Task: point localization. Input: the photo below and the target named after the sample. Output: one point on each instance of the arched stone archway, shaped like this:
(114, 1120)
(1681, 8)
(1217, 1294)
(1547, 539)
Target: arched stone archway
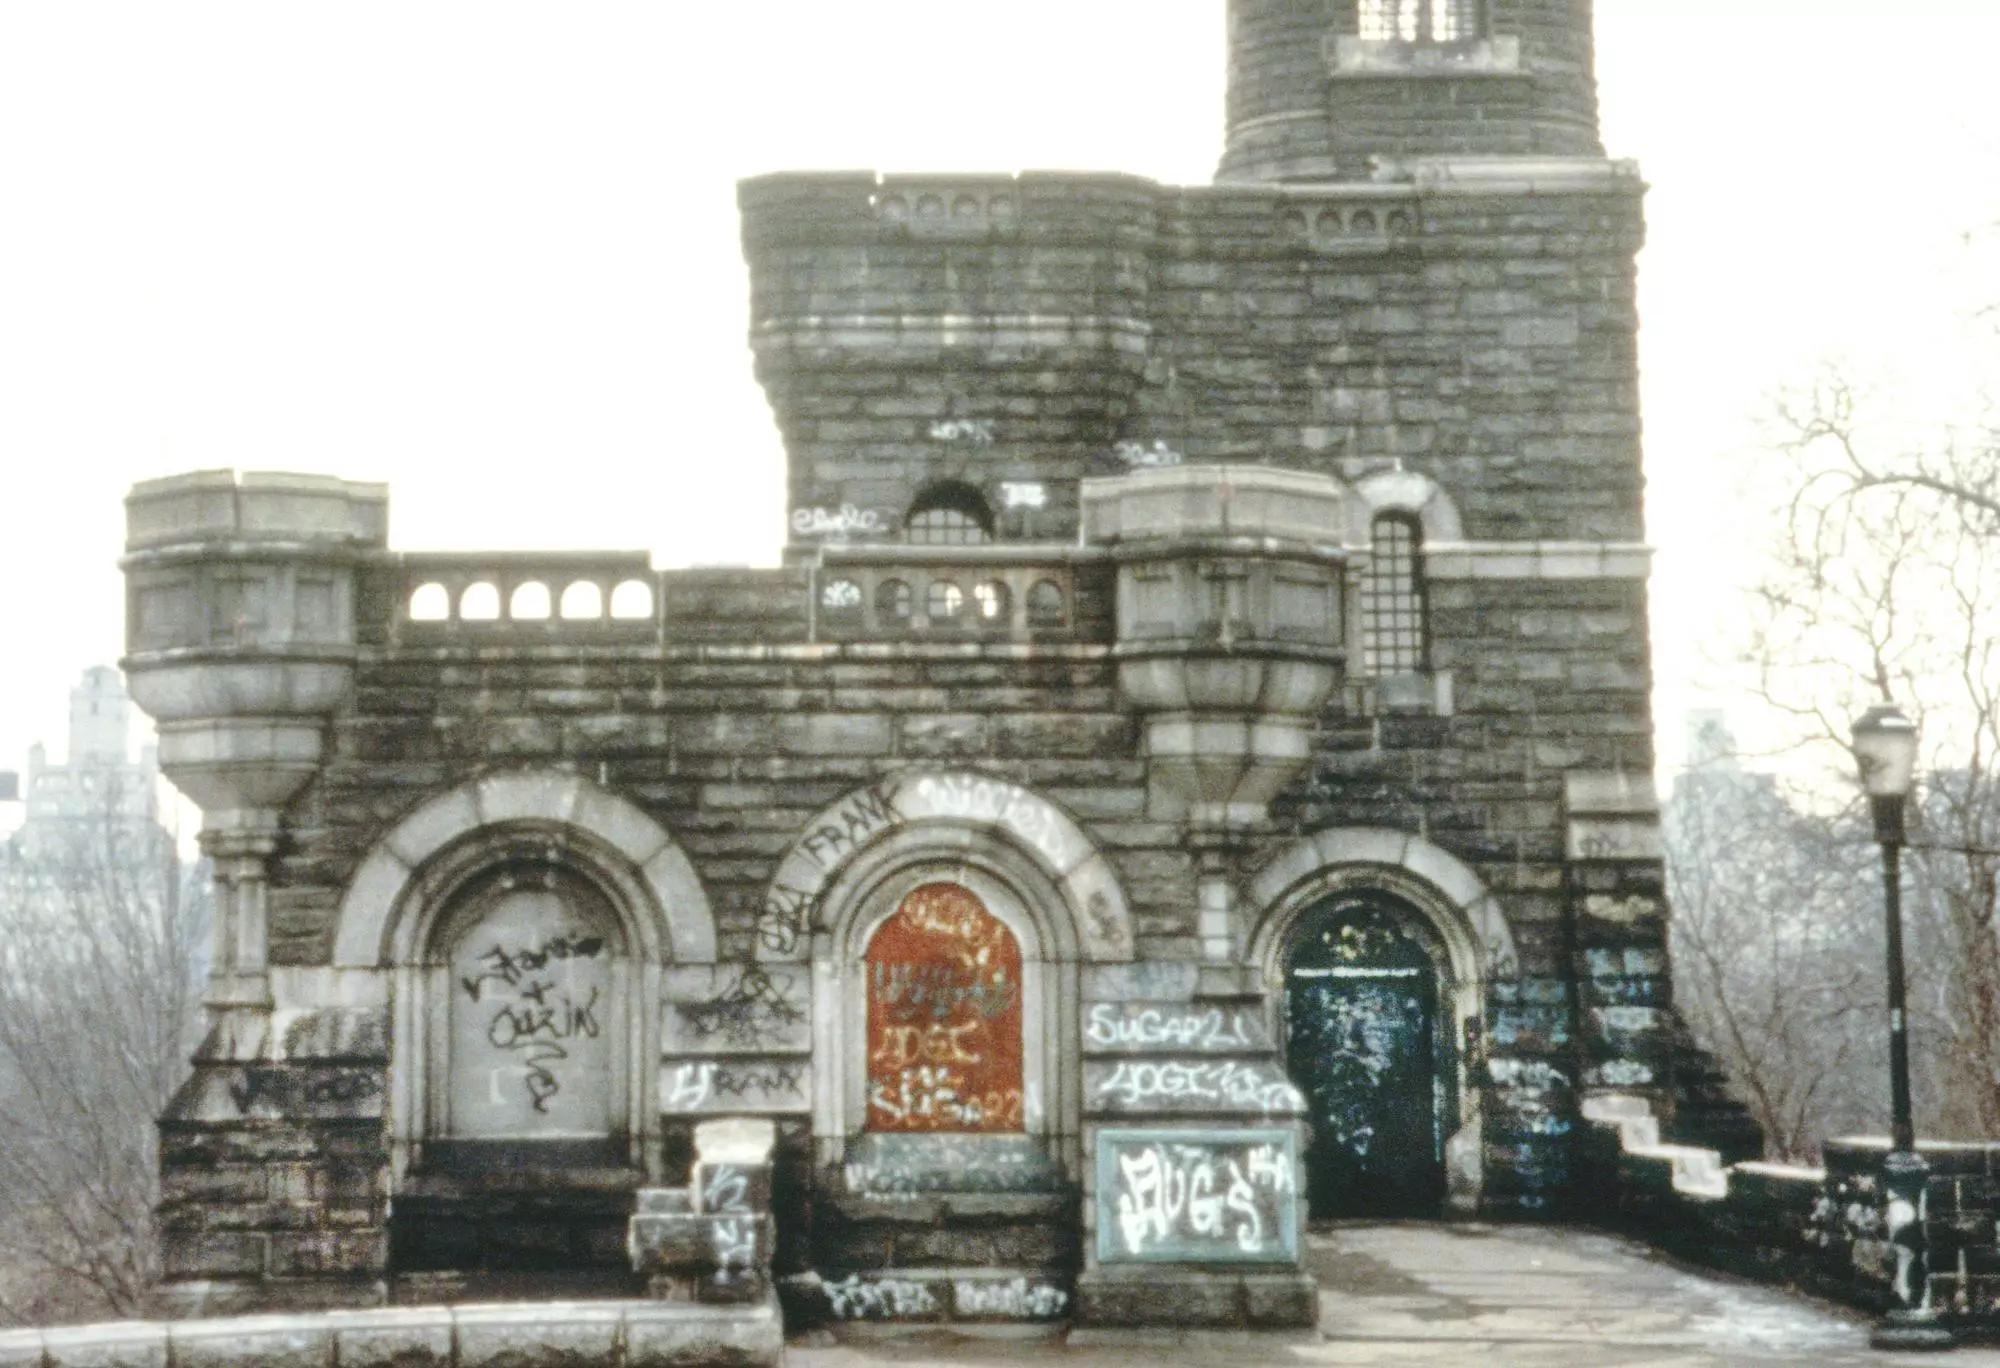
(1023, 861)
(1460, 925)
(935, 809)
(524, 919)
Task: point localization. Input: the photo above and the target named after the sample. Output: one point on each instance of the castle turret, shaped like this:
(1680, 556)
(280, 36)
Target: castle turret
(1319, 89)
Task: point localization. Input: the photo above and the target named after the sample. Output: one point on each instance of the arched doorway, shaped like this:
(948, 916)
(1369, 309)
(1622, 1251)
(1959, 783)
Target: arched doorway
(1369, 1043)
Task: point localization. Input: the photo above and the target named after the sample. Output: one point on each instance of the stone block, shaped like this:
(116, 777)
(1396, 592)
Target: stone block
(110, 1344)
(679, 1336)
(20, 1349)
(253, 1342)
(551, 1335)
(418, 1337)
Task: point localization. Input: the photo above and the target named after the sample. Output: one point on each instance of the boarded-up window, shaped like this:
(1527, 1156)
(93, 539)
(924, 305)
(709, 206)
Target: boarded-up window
(944, 1017)
(533, 1021)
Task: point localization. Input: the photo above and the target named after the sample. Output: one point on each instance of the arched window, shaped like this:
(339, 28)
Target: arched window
(1422, 21)
(952, 513)
(1392, 598)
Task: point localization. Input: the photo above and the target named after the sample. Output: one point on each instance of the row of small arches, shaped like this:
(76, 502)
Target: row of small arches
(1330, 221)
(531, 601)
(989, 601)
(933, 206)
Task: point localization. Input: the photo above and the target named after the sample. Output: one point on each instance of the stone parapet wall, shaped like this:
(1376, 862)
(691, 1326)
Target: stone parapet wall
(1824, 1230)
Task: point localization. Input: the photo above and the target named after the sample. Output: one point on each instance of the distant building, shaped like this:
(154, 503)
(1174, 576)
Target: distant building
(99, 781)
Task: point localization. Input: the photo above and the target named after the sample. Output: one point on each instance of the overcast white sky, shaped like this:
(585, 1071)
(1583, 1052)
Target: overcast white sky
(487, 251)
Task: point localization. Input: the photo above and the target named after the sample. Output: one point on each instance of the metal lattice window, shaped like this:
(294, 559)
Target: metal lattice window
(1392, 598)
(949, 514)
(1421, 21)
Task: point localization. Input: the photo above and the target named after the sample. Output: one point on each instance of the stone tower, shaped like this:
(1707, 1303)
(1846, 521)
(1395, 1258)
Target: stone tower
(1328, 89)
(1198, 743)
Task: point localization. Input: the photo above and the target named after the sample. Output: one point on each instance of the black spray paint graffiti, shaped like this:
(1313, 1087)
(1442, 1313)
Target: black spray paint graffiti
(787, 913)
(533, 1015)
(752, 1008)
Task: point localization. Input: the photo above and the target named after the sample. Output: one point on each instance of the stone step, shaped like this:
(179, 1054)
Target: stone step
(930, 1295)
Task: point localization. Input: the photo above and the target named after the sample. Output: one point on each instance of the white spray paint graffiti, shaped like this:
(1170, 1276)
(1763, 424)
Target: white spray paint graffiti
(844, 521)
(853, 1299)
(1193, 1029)
(1023, 494)
(1017, 1299)
(1136, 1085)
(978, 431)
(1139, 456)
(1188, 1196)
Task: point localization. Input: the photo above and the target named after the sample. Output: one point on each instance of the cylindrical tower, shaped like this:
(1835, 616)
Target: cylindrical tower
(1320, 88)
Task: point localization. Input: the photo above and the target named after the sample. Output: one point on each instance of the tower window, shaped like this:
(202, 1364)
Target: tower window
(1421, 21)
(1392, 597)
(949, 514)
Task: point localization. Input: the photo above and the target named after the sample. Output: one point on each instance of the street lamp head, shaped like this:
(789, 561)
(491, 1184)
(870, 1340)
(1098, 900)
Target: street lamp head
(1885, 745)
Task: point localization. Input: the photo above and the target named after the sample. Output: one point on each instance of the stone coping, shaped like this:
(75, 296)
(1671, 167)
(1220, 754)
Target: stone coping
(629, 1334)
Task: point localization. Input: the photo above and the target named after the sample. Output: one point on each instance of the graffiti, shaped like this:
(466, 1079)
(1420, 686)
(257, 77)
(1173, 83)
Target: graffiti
(1135, 1085)
(944, 1017)
(840, 593)
(1023, 494)
(510, 968)
(1139, 456)
(734, 1241)
(752, 1008)
(786, 918)
(1623, 1073)
(1016, 1299)
(1532, 1075)
(977, 431)
(1622, 911)
(288, 1090)
(848, 827)
(853, 1299)
(1201, 1196)
(985, 800)
(725, 1189)
(844, 521)
(536, 1009)
(1118, 1025)
(708, 1085)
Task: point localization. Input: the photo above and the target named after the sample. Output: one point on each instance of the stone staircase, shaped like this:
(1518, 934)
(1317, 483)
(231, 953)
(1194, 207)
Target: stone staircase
(941, 1228)
(1705, 1112)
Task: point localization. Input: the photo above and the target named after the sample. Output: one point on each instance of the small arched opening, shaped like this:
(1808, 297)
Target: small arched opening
(949, 513)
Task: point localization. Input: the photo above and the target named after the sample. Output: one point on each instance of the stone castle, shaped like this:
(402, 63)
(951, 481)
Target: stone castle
(1190, 774)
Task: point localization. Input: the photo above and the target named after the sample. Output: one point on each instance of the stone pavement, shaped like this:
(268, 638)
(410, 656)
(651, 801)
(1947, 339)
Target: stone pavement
(1440, 1295)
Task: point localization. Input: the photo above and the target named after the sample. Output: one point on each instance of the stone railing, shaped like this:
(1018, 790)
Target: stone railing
(961, 593)
(527, 595)
(1824, 1229)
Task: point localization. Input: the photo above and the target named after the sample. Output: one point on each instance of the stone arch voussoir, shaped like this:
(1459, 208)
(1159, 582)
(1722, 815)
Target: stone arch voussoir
(945, 801)
(373, 905)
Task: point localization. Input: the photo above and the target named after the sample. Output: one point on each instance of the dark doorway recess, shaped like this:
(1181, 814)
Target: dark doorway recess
(1364, 1044)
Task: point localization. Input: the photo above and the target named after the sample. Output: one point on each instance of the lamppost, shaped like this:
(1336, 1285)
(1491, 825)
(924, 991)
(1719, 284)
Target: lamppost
(1885, 745)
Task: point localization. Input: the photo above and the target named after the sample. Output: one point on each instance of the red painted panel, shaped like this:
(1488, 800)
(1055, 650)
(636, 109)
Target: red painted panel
(944, 1017)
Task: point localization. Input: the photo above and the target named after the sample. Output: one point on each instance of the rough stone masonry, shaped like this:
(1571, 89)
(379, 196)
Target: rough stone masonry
(1190, 773)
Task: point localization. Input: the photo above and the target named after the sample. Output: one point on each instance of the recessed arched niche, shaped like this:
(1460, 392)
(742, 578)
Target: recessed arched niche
(944, 992)
(530, 997)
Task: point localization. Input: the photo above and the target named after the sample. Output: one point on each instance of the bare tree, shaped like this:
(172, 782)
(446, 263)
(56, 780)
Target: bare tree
(1774, 970)
(102, 929)
(1886, 586)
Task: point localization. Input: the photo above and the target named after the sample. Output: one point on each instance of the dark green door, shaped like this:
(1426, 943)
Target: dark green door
(1364, 1046)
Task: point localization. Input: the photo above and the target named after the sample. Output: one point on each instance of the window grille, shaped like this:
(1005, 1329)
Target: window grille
(1421, 21)
(1392, 598)
(950, 514)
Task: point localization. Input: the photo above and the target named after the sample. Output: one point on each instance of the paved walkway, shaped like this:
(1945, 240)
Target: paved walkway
(1494, 1296)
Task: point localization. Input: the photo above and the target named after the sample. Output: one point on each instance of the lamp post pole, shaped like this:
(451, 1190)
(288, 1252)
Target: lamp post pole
(1885, 744)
